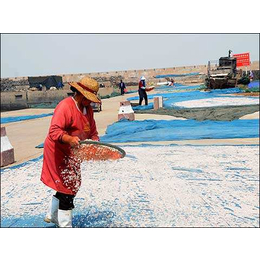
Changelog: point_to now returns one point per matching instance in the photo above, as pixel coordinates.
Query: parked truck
(223, 74)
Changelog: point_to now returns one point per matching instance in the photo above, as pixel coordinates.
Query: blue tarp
(5, 120)
(22, 164)
(40, 145)
(143, 107)
(168, 130)
(254, 84)
(169, 99)
(176, 75)
(177, 87)
(193, 94)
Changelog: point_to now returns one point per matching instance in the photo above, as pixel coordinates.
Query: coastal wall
(15, 93)
(131, 77)
(14, 100)
(23, 99)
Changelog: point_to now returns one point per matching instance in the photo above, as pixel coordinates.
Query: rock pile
(114, 80)
(256, 74)
(11, 85)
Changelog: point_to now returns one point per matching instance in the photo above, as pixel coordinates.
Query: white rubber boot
(52, 215)
(65, 218)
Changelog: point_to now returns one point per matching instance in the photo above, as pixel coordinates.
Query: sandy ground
(26, 135)
(251, 116)
(248, 94)
(26, 112)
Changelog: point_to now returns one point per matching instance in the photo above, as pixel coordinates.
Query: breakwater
(15, 93)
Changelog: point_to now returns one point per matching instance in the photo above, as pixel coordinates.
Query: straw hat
(88, 87)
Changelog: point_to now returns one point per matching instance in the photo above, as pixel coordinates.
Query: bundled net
(97, 152)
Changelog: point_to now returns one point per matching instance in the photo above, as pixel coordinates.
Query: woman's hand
(73, 141)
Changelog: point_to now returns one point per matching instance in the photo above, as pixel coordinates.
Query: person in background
(251, 75)
(122, 87)
(72, 122)
(142, 92)
(171, 82)
(60, 85)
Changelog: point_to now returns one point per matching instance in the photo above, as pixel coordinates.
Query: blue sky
(48, 54)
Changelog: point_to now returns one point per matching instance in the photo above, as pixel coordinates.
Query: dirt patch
(212, 113)
(254, 94)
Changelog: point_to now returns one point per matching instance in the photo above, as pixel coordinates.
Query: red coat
(60, 170)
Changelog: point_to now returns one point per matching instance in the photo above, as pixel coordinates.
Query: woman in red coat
(72, 122)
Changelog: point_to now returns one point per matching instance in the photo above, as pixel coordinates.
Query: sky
(50, 54)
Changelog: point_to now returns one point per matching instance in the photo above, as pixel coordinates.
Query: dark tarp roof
(48, 81)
